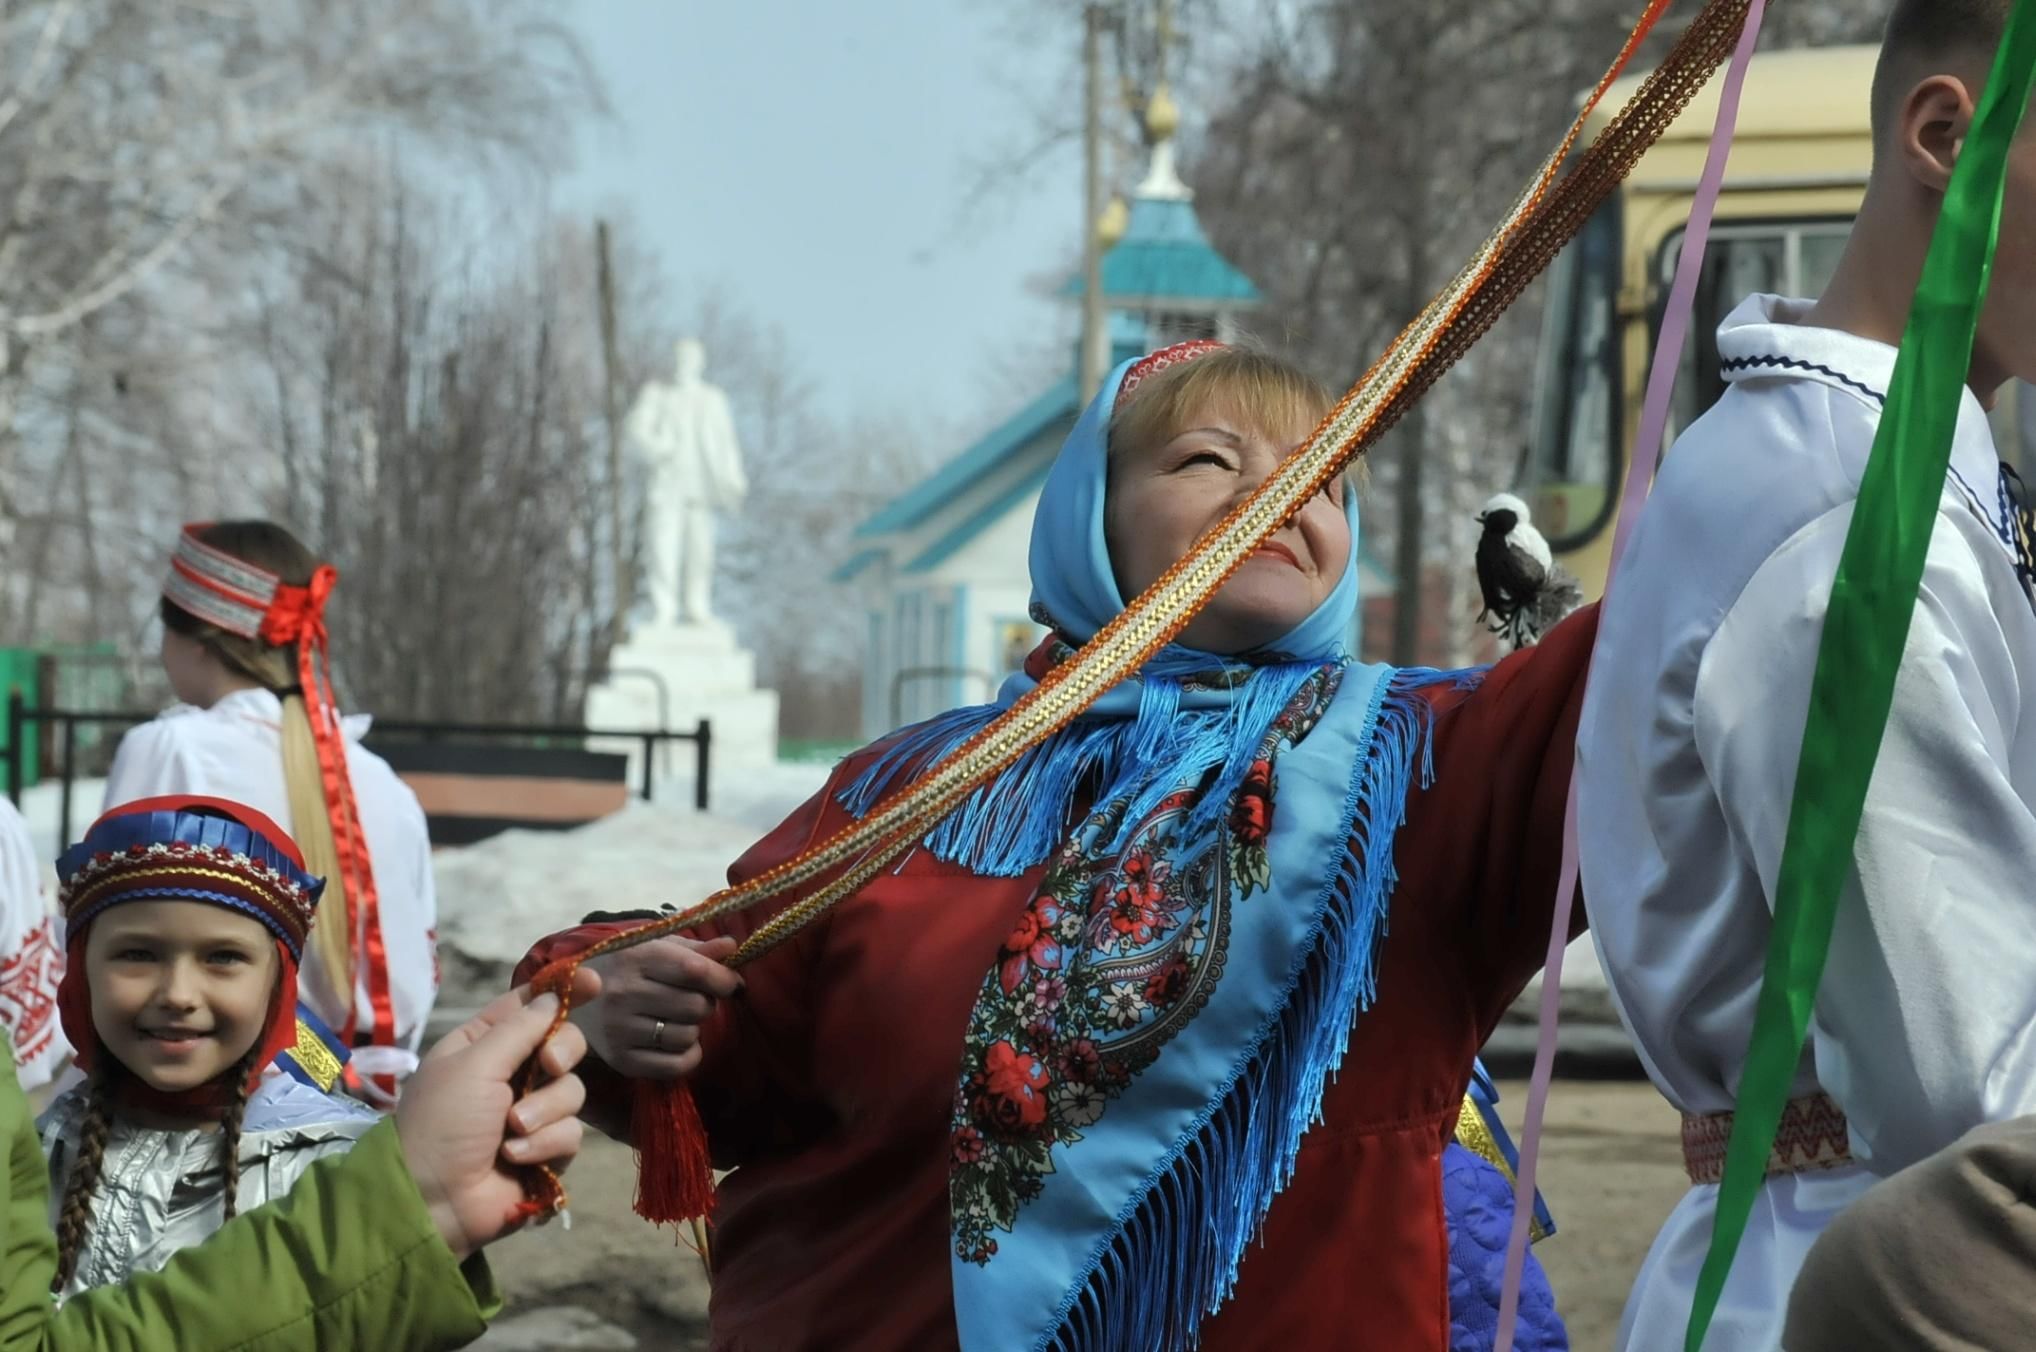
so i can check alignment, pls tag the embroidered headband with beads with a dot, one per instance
(1154, 362)
(174, 849)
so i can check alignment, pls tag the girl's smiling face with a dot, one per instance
(180, 989)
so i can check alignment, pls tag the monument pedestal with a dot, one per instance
(672, 676)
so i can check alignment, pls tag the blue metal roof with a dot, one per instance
(855, 565)
(980, 520)
(1164, 256)
(940, 487)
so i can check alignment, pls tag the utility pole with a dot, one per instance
(618, 560)
(1095, 364)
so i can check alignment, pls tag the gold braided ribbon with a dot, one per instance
(1544, 218)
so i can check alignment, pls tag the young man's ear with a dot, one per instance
(1930, 129)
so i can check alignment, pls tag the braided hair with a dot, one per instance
(74, 1218)
(229, 1134)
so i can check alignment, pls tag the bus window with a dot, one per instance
(1789, 258)
(1573, 462)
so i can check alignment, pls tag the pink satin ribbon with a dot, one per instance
(1675, 327)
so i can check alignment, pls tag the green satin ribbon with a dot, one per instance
(1872, 600)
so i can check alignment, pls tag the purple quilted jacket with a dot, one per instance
(1479, 1204)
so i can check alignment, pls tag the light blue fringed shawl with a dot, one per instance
(1154, 1037)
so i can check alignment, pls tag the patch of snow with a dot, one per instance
(499, 896)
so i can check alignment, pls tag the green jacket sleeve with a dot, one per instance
(350, 1259)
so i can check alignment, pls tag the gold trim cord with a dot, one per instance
(1543, 219)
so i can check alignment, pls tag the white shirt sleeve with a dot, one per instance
(1923, 1024)
(153, 761)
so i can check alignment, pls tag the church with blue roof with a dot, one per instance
(941, 569)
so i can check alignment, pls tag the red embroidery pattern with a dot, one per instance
(1812, 1135)
(1154, 362)
(28, 992)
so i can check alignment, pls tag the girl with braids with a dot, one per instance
(244, 645)
(185, 920)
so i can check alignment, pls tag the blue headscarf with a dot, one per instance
(1074, 582)
(1184, 710)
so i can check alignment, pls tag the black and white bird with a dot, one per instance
(1525, 593)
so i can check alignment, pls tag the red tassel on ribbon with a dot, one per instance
(674, 1171)
(674, 1168)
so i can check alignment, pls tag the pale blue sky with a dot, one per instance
(809, 159)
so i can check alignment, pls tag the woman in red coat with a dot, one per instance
(1161, 1036)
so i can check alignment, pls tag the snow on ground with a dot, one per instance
(41, 806)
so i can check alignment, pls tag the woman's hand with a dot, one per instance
(652, 1000)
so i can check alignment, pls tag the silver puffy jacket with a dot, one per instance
(160, 1191)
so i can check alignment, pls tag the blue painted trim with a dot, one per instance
(848, 571)
(1061, 400)
(941, 550)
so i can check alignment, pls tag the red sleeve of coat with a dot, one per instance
(754, 1044)
(1485, 840)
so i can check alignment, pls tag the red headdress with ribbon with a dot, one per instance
(186, 848)
(242, 598)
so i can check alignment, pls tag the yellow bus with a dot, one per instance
(1799, 165)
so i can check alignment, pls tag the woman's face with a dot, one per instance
(1163, 498)
(180, 989)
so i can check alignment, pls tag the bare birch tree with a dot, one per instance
(158, 165)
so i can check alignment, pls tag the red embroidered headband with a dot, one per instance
(234, 595)
(1152, 363)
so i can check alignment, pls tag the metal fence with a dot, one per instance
(66, 722)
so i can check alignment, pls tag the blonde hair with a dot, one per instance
(273, 667)
(1262, 391)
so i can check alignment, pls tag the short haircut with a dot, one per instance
(1266, 392)
(1922, 37)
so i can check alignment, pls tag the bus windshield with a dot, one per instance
(1577, 459)
(1573, 461)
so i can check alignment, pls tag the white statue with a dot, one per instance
(687, 436)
